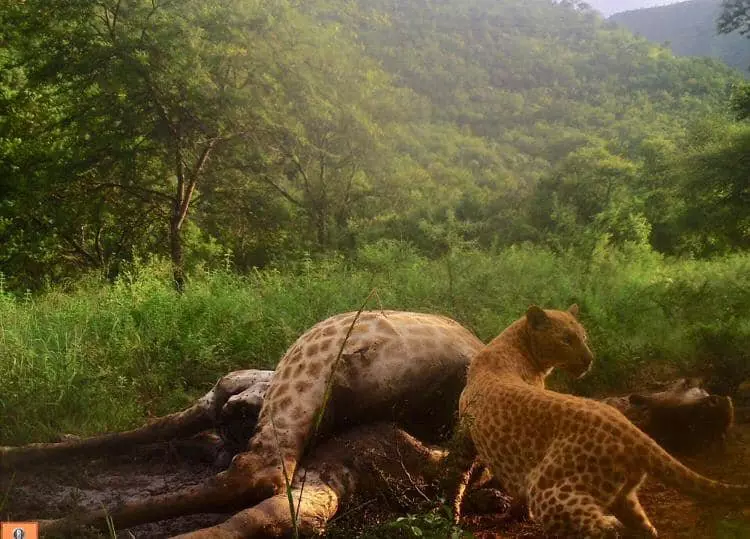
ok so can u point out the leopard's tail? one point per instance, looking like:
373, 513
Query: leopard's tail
667, 469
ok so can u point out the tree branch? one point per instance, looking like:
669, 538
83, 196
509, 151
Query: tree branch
78, 248
192, 182
301, 170
134, 190
282, 191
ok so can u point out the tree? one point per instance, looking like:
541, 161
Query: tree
713, 173
329, 158
734, 17
269, 127
589, 196
152, 91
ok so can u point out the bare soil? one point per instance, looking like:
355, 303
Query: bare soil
61, 490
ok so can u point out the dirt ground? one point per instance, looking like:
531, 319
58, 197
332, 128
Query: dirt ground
63, 490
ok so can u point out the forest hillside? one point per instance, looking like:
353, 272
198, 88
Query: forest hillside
333, 146
256, 133
689, 29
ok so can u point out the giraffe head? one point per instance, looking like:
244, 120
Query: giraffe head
557, 339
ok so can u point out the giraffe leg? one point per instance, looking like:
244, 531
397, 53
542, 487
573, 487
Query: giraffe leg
208, 411
315, 504
283, 434
462, 466
360, 461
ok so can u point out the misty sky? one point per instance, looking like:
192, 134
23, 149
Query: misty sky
608, 7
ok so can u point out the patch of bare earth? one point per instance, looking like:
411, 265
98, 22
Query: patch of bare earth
87, 484
81, 484
677, 516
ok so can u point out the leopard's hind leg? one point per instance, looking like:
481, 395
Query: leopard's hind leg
564, 511
627, 508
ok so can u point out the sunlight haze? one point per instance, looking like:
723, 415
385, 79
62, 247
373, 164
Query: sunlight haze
610, 7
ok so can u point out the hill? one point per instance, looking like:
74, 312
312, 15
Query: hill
608, 7
689, 29
487, 121
500, 65
534, 84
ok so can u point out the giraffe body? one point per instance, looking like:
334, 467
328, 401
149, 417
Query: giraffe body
374, 379
576, 462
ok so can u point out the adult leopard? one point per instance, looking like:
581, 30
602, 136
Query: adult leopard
576, 462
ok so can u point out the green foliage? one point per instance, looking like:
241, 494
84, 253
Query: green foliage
712, 216
735, 17
591, 197
740, 101
143, 94
99, 357
437, 524
256, 132
465, 157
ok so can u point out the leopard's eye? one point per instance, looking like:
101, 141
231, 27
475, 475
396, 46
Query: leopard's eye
568, 338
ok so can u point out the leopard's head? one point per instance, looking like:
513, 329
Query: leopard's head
557, 339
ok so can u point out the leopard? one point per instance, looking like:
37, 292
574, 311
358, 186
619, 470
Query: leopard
576, 463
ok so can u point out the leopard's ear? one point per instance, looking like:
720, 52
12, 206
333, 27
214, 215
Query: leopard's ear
537, 318
574, 310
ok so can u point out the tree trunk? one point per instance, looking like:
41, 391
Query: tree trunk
175, 249
186, 184
321, 228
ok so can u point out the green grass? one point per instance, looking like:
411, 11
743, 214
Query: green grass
95, 357
437, 524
